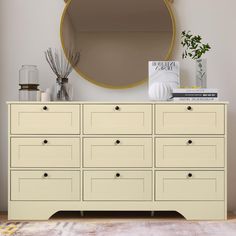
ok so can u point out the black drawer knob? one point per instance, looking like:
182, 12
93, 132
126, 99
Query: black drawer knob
117, 175
190, 175
45, 141
189, 108
117, 108
45, 108
190, 141
117, 141
45, 175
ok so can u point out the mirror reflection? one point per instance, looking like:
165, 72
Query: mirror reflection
116, 39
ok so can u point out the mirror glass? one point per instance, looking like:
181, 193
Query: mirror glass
117, 38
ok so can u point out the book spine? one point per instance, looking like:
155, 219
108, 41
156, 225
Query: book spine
195, 90
195, 99
195, 94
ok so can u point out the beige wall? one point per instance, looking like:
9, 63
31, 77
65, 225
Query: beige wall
28, 27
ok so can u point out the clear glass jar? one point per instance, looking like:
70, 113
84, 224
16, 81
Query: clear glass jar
63, 90
29, 82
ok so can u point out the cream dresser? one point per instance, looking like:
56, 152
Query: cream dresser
84, 156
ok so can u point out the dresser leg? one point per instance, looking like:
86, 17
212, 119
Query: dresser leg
152, 213
82, 213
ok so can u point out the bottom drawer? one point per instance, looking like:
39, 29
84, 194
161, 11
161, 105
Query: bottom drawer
45, 185
189, 185
117, 185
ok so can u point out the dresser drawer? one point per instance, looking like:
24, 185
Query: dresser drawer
190, 119
45, 152
45, 119
189, 185
117, 152
190, 152
118, 119
45, 185
117, 185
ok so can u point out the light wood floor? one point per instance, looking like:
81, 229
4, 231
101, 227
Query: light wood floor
95, 217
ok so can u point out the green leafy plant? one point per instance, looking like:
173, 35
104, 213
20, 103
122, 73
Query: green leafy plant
193, 46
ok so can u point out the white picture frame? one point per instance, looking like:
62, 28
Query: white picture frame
164, 76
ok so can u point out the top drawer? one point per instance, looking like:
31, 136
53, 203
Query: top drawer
45, 119
118, 119
190, 119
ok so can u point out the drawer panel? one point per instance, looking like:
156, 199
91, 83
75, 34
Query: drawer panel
45, 119
128, 186
118, 119
189, 152
190, 119
33, 185
117, 152
177, 185
45, 152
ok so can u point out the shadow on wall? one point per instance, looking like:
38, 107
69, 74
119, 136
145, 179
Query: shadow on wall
3, 131
3, 150
231, 158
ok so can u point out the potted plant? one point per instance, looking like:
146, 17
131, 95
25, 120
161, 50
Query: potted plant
194, 49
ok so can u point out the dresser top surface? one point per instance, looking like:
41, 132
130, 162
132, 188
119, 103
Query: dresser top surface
119, 102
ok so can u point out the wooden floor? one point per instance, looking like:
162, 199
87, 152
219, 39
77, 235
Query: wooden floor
116, 216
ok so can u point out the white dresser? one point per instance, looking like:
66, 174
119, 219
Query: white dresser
137, 156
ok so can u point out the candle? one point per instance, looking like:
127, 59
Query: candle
45, 97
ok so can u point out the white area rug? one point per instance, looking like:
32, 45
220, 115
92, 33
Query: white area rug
152, 228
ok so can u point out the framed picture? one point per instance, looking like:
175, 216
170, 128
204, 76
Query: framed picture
164, 76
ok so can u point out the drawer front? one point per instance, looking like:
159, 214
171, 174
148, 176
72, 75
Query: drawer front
190, 119
117, 152
117, 119
45, 119
189, 152
117, 185
177, 185
45, 152
33, 185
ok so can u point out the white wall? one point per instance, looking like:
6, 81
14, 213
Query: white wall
28, 27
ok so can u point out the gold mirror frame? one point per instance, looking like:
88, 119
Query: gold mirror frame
167, 57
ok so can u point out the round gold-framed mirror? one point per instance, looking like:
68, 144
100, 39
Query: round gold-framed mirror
117, 38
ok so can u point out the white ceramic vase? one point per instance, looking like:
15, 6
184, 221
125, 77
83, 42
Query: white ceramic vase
160, 91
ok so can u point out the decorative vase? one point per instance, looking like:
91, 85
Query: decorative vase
29, 82
201, 73
160, 91
63, 90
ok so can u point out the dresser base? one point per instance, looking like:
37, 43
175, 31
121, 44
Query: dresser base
191, 210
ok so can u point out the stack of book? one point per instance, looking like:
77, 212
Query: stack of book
202, 94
